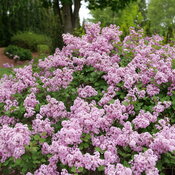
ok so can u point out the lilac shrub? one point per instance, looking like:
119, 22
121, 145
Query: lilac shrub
100, 105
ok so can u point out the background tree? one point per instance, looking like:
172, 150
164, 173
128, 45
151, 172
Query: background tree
68, 10
161, 14
51, 17
105, 16
131, 16
143, 10
115, 5
25, 15
134, 14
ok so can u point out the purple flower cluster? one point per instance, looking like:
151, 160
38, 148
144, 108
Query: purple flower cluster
13, 141
145, 162
87, 91
58, 79
54, 109
40, 126
5, 120
119, 169
111, 92
29, 103
143, 119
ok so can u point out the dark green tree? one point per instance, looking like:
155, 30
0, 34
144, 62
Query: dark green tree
143, 10
68, 10
24, 15
131, 16
161, 14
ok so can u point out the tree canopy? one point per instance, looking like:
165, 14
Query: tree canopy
131, 15
68, 10
115, 5
161, 15
21, 15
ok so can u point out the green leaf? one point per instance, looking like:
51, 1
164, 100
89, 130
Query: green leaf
99, 150
145, 149
80, 169
44, 134
43, 160
126, 103
86, 138
18, 161
85, 145
111, 101
127, 148
173, 63
101, 168
34, 149
126, 164
37, 137
73, 169
81, 146
159, 165
42, 140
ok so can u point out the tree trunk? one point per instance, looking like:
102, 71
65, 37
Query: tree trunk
67, 17
58, 11
76, 19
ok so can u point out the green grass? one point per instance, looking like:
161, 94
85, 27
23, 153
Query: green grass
9, 71
5, 71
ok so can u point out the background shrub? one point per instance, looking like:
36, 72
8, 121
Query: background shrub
30, 40
19, 53
43, 49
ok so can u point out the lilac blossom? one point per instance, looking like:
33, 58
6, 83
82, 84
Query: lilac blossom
13, 141
87, 91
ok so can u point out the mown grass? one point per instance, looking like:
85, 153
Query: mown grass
5, 71
8, 71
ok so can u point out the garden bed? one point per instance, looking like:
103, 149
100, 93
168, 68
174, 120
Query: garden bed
4, 59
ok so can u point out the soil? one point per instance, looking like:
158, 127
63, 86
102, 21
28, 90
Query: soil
4, 59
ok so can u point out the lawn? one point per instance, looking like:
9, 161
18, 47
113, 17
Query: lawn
5, 71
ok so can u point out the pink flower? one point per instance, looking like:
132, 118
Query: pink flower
87, 91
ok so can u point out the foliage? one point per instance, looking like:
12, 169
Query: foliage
161, 14
98, 106
105, 16
79, 31
125, 18
30, 40
18, 53
68, 10
6, 71
27, 15
130, 16
43, 49
115, 5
